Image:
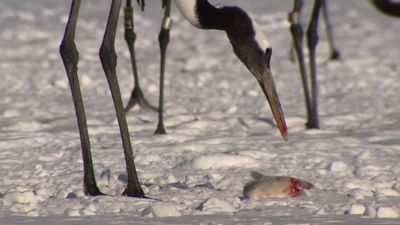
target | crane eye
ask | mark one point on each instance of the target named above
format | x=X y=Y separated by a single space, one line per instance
x=268 y=53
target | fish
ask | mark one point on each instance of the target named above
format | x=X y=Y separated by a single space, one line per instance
x=262 y=187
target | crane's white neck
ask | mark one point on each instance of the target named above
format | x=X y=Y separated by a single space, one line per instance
x=260 y=37
x=188 y=10
x=202 y=14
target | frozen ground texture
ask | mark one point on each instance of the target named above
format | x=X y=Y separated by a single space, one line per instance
x=218 y=122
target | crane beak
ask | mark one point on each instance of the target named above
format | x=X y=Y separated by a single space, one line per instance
x=268 y=86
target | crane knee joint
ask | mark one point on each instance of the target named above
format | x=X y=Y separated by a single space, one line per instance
x=167 y=23
x=294 y=18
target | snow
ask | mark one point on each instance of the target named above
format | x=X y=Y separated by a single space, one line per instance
x=357 y=209
x=219 y=127
x=220 y=161
x=161 y=210
x=216 y=205
x=387 y=212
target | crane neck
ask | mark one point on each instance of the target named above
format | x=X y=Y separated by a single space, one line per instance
x=387 y=7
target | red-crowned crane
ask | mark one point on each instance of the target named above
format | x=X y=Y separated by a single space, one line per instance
x=248 y=42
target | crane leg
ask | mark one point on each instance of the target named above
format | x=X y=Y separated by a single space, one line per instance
x=334 y=53
x=163 y=39
x=70 y=57
x=312 y=40
x=137 y=97
x=108 y=59
x=297 y=34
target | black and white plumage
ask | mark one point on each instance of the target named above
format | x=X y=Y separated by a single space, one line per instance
x=249 y=43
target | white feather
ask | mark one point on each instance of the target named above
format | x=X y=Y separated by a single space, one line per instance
x=188 y=10
x=260 y=37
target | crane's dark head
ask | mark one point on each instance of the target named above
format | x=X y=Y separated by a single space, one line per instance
x=249 y=44
x=253 y=48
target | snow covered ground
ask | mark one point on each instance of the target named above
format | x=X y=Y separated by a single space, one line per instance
x=219 y=126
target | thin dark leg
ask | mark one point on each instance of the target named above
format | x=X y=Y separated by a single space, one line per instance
x=312 y=40
x=297 y=34
x=141 y=3
x=137 y=96
x=335 y=54
x=108 y=59
x=70 y=57
x=163 y=39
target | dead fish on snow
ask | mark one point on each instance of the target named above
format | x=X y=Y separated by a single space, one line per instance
x=274 y=186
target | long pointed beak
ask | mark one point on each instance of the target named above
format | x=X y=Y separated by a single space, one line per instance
x=268 y=86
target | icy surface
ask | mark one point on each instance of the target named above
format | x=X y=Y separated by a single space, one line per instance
x=219 y=126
